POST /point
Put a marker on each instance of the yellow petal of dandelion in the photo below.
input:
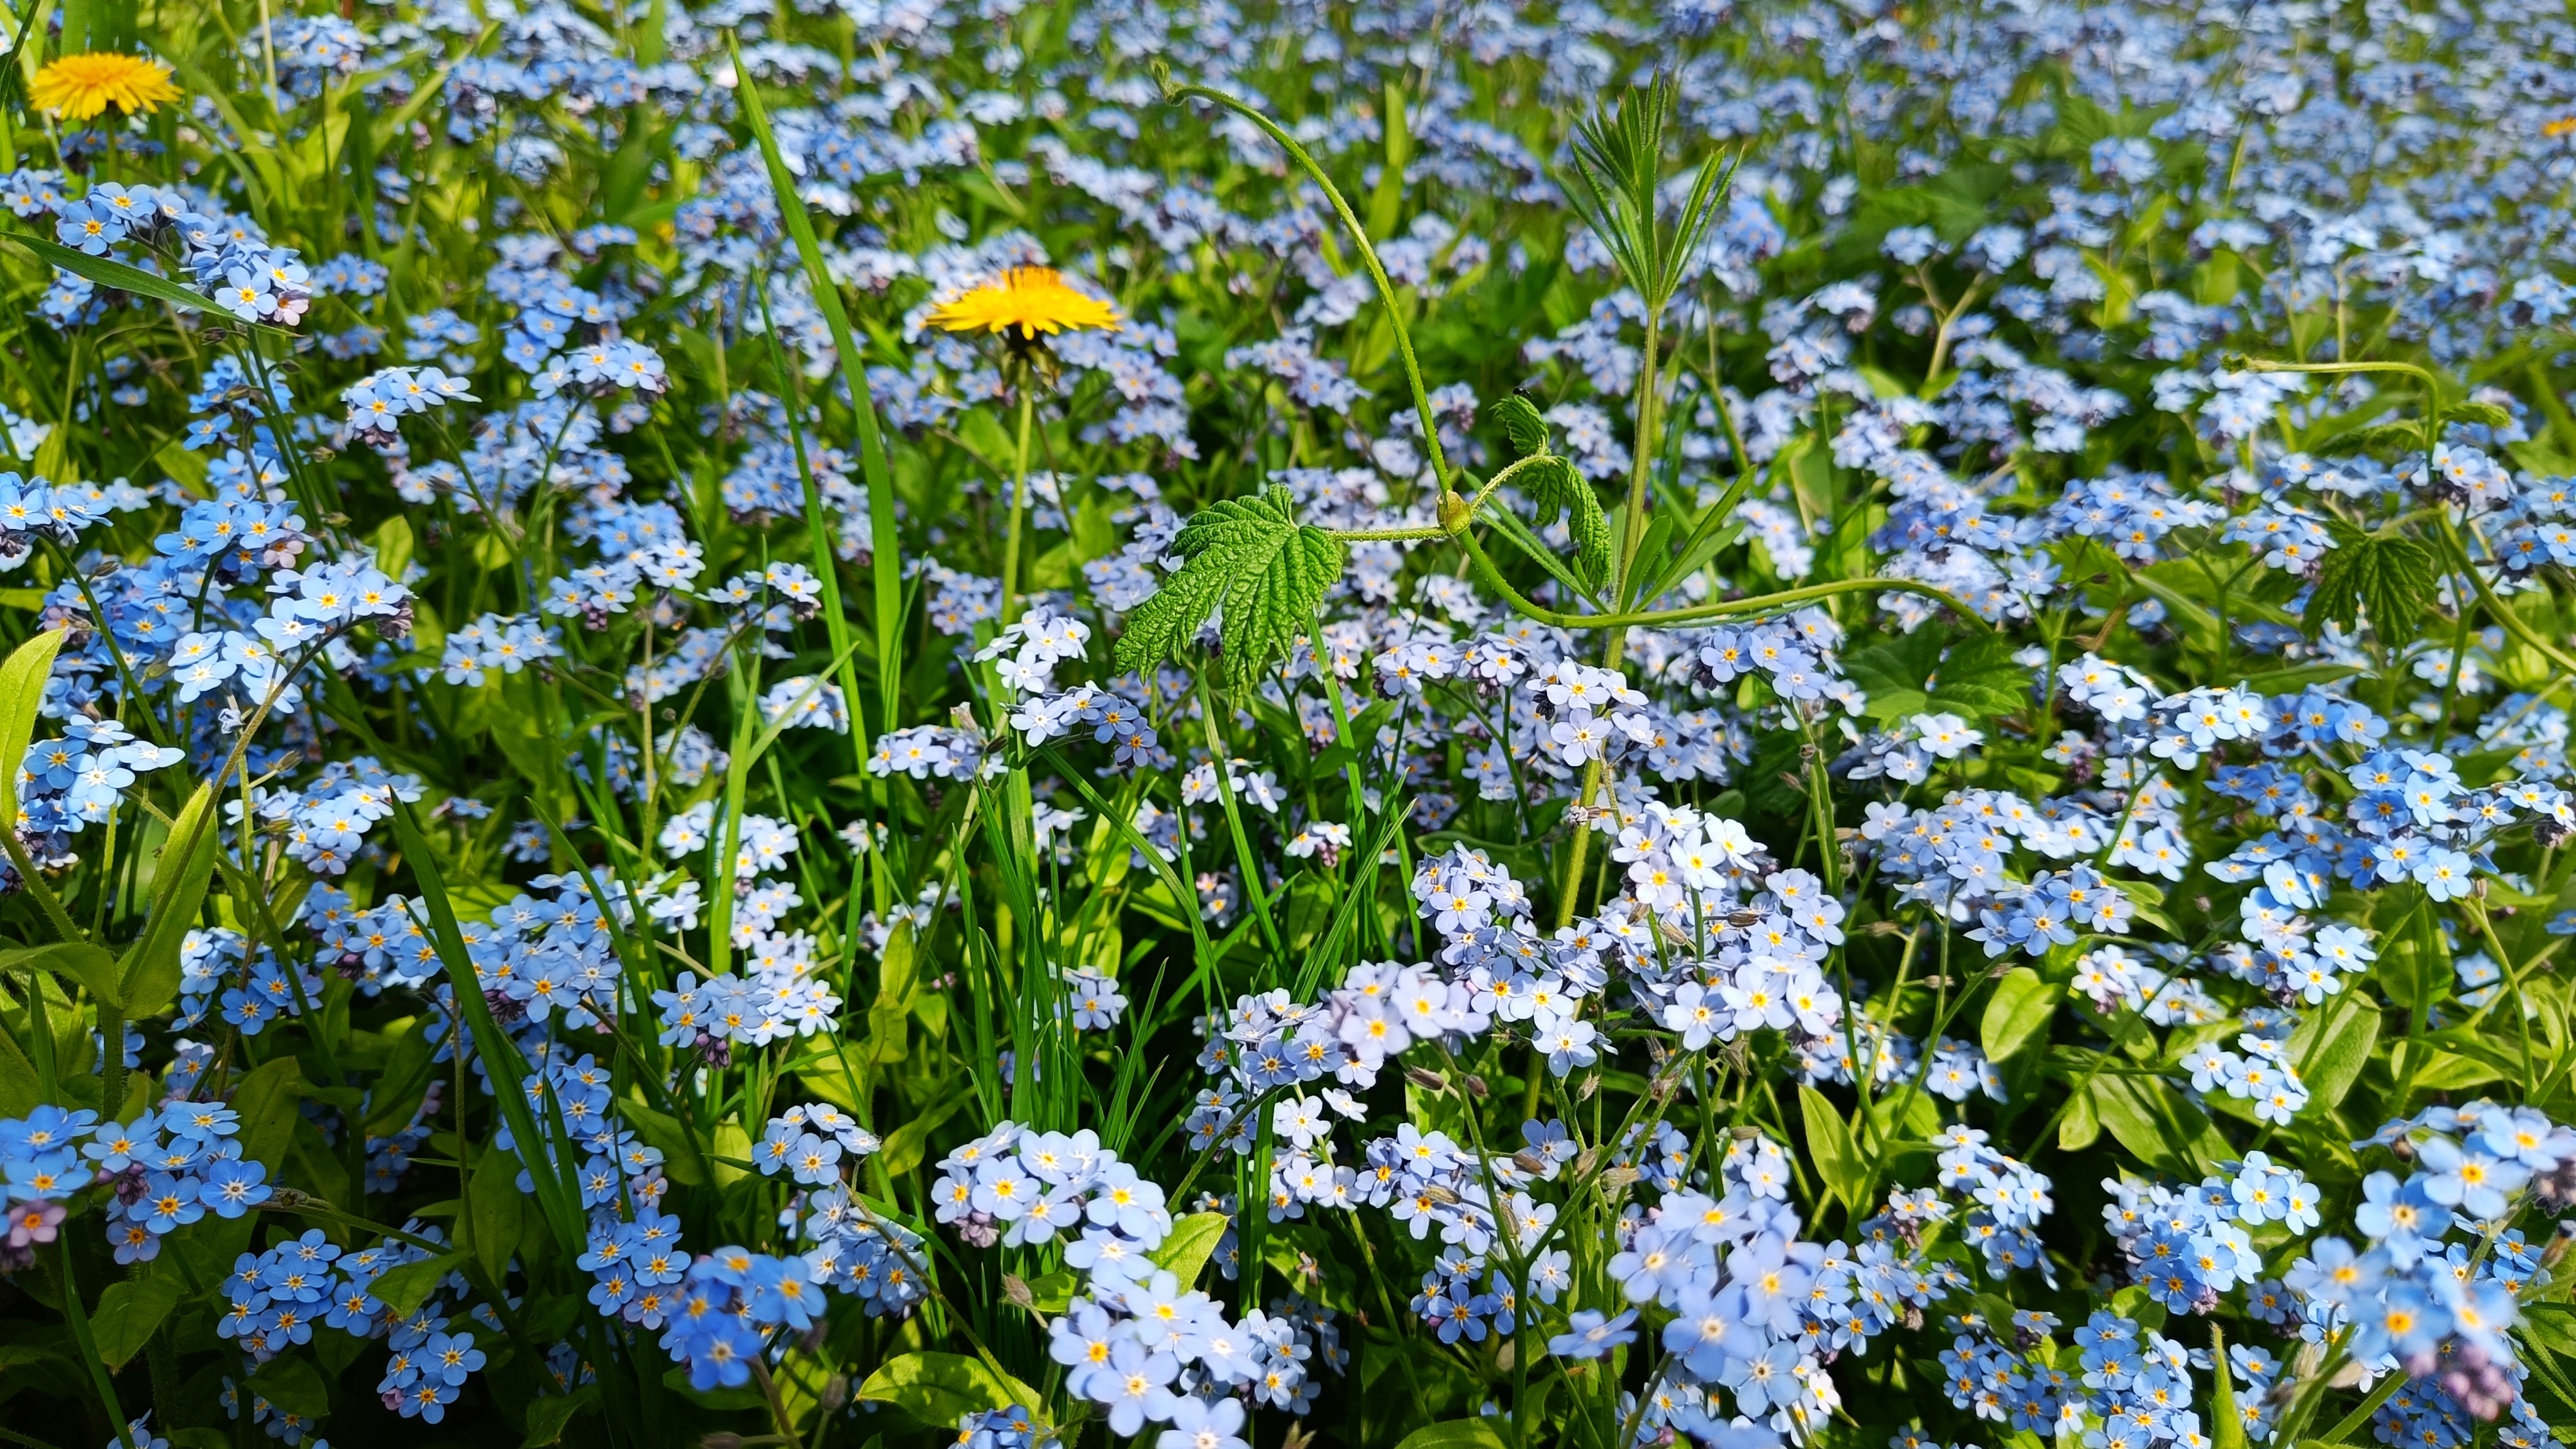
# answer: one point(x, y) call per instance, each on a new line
point(79, 87)
point(1029, 300)
point(2559, 127)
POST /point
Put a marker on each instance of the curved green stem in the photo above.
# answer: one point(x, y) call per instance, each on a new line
point(1659, 618)
point(1387, 535)
point(2487, 595)
point(1359, 235)
point(1455, 520)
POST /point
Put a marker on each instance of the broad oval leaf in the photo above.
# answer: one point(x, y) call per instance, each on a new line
point(129, 1312)
point(1192, 1243)
point(940, 1388)
point(1829, 1142)
point(22, 689)
point(150, 972)
point(2018, 1013)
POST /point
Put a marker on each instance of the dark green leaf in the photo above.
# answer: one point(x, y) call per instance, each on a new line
point(1979, 678)
point(407, 1287)
point(1892, 674)
point(2155, 1124)
point(294, 1385)
point(1457, 1434)
point(266, 1101)
point(492, 1211)
point(548, 1416)
point(127, 1314)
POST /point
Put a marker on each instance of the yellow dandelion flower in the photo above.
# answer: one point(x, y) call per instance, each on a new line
point(1028, 301)
point(81, 86)
point(2559, 127)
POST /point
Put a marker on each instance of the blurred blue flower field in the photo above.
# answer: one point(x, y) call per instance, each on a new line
point(866, 723)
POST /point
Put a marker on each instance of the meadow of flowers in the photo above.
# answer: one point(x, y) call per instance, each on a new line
point(899, 722)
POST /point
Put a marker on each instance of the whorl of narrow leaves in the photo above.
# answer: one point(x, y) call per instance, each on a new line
point(1251, 558)
point(1555, 487)
point(2390, 577)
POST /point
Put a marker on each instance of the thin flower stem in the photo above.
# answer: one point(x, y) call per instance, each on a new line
point(1359, 235)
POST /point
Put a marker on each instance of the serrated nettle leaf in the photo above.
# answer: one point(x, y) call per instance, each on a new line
point(2390, 576)
point(1521, 423)
point(1250, 559)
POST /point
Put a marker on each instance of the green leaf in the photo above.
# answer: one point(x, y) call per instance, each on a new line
point(2081, 1127)
point(1053, 1292)
point(2485, 414)
point(22, 688)
point(1554, 488)
point(1457, 1434)
point(681, 1160)
point(21, 1090)
point(1978, 677)
point(266, 1102)
point(1192, 1243)
point(940, 1388)
point(2389, 576)
point(492, 1211)
point(294, 1385)
point(150, 971)
point(1251, 558)
point(1892, 674)
point(94, 967)
point(2153, 1122)
point(2017, 1015)
point(548, 1416)
point(1522, 426)
point(740, 1399)
point(905, 1145)
point(501, 1055)
point(1829, 1142)
point(124, 278)
point(127, 1314)
point(405, 1288)
point(2414, 965)
point(2226, 1426)
point(2332, 1046)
